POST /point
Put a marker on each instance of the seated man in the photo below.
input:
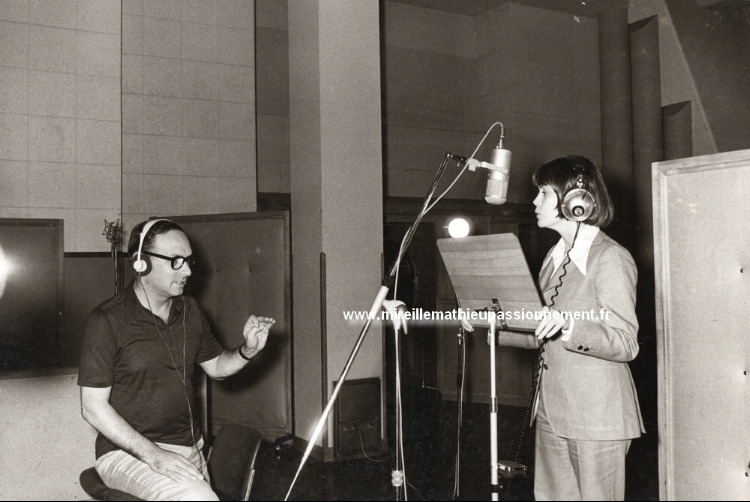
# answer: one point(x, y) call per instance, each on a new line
point(136, 371)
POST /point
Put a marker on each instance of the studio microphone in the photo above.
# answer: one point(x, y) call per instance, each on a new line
point(497, 181)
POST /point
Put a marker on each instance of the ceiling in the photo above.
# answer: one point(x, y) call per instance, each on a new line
point(590, 8)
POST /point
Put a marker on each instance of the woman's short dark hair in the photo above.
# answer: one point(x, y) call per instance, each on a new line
point(158, 228)
point(561, 174)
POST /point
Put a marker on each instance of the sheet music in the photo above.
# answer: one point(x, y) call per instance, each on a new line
point(487, 267)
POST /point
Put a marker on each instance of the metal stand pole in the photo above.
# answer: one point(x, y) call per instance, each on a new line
point(493, 408)
point(459, 403)
point(506, 469)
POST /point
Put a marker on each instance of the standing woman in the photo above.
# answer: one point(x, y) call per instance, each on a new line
point(586, 408)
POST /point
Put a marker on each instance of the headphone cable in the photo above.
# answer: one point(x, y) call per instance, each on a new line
point(540, 366)
point(183, 376)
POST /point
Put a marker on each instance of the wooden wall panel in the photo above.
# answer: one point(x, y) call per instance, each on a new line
point(702, 258)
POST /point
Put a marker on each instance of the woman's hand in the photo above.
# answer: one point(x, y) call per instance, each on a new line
point(551, 324)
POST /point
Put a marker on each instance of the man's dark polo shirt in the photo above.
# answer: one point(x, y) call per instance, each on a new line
point(122, 349)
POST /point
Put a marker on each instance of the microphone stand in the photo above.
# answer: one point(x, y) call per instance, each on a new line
point(377, 305)
point(460, 403)
point(491, 340)
point(504, 469)
point(493, 408)
point(113, 233)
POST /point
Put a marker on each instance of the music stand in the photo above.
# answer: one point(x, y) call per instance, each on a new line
point(490, 276)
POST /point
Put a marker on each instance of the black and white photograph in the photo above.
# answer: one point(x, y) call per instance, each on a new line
point(374, 250)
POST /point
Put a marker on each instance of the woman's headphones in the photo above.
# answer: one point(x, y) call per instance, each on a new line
point(578, 202)
point(140, 265)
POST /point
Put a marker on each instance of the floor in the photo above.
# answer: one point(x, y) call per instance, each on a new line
point(430, 450)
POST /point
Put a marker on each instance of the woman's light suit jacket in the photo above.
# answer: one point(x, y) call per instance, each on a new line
point(586, 385)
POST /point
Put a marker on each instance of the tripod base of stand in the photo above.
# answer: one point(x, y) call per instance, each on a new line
point(506, 471)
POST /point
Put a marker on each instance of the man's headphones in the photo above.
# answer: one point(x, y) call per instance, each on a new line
point(578, 202)
point(140, 265)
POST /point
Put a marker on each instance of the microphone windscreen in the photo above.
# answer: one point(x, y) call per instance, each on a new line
point(497, 190)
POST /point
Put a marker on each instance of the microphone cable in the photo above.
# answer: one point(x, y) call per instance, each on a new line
point(183, 376)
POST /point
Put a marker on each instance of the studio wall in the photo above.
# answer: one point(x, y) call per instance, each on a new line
point(272, 90)
point(716, 47)
point(448, 77)
point(445, 79)
point(188, 108)
point(187, 96)
point(677, 82)
point(60, 115)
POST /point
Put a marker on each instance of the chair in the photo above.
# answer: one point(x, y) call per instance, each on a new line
point(232, 473)
point(231, 464)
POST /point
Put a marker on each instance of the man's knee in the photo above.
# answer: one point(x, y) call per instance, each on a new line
point(196, 490)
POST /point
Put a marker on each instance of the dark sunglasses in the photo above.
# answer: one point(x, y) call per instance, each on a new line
point(176, 261)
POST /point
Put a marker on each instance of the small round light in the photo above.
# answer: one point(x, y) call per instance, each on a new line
point(458, 227)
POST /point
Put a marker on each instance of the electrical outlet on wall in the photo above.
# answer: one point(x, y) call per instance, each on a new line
point(369, 434)
point(357, 419)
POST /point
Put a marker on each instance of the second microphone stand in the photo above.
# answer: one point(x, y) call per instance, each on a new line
point(375, 309)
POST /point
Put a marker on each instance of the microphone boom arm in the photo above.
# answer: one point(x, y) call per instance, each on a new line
point(388, 281)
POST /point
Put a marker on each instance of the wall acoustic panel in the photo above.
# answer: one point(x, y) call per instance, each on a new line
point(89, 280)
point(702, 258)
point(243, 269)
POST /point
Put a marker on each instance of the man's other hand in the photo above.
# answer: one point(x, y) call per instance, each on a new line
point(174, 466)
